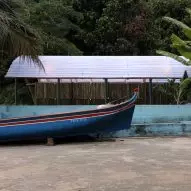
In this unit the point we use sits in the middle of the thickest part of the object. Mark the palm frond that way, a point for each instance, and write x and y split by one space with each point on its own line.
188 10
176 22
5 6
174 56
186 83
187 33
17 39
177 41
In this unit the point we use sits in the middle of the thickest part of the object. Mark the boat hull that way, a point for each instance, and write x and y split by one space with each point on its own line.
60 125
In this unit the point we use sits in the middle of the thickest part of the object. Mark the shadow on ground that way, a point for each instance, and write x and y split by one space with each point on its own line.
58 141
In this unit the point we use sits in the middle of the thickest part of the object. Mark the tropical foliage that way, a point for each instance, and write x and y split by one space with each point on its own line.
182 46
57 24
87 27
119 29
16 38
178 93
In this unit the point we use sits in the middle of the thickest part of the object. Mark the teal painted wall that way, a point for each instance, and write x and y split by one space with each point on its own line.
161 113
143 113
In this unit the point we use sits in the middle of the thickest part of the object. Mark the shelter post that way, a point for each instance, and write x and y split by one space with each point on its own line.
71 92
106 90
35 93
15 91
150 91
58 92
128 87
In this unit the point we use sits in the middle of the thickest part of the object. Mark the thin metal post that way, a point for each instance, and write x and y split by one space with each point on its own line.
35 93
106 90
128 88
150 91
15 91
71 93
58 92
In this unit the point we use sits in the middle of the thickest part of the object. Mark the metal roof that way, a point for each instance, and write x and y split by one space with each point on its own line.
99 67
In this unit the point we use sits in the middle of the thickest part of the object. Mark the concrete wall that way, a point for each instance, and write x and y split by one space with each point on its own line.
18 111
148 120
161 113
142 114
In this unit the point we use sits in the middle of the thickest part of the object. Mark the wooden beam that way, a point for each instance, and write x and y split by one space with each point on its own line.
150 91
128 88
30 89
58 92
50 141
106 90
35 93
71 93
16 91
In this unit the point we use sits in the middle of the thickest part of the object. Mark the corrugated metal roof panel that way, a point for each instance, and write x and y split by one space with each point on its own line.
99 67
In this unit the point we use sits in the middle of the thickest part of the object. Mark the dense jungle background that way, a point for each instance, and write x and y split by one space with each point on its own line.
85 27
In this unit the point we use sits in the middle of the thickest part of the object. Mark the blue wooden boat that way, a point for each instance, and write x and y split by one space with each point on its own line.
105 118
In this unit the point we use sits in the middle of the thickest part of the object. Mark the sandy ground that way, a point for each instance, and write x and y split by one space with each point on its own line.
140 164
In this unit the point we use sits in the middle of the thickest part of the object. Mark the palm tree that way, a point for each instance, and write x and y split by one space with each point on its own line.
16 38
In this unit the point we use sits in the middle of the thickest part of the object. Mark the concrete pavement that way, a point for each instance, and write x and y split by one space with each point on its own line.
135 164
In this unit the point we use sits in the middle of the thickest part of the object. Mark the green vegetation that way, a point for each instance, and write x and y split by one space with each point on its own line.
17 38
87 27
178 93
57 23
183 47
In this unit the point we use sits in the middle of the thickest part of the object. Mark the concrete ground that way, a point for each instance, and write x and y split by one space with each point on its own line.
135 164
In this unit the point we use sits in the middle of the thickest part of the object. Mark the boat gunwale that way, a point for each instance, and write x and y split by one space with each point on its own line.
49 120
82 112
